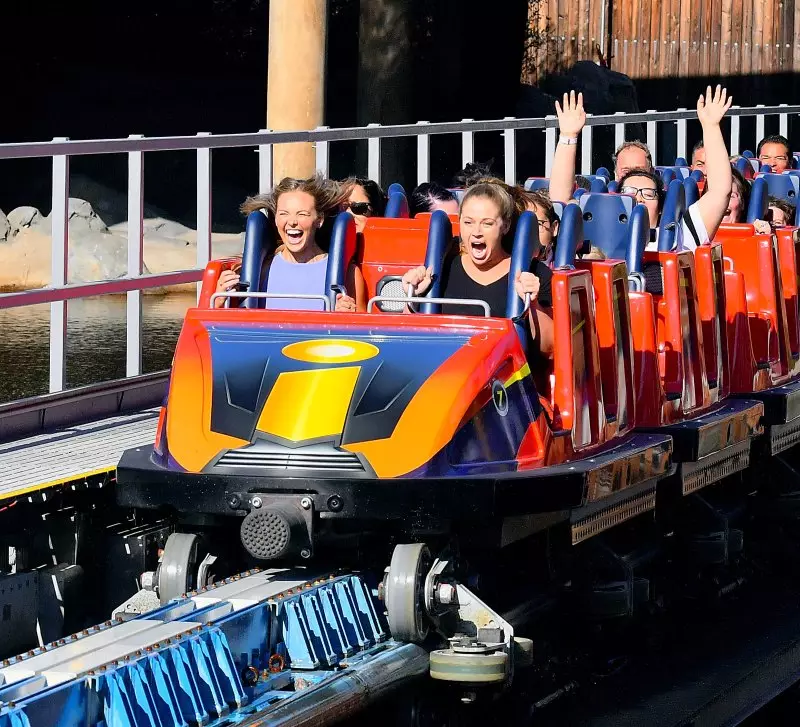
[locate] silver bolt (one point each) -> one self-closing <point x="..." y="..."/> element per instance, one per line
<point x="445" y="594"/>
<point x="305" y="553"/>
<point x="305" y="503"/>
<point x="148" y="581"/>
<point x="256" y="502"/>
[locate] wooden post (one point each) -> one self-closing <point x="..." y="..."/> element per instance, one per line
<point x="296" y="79"/>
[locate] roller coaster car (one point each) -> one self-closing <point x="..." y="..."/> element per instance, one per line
<point x="652" y="342"/>
<point x="299" y="426"/>
<point x="762" y="321"/>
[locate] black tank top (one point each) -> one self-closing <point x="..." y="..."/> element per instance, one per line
<point x="457" y="284"/>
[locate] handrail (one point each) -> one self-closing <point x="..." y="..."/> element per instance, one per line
<point x="62" y="150"/>
<point x="101" y="287"/>
<point x="35" y="149"/>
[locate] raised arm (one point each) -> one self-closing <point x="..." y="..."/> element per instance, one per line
<point x="714" y="203"/>
<point x="571" y="120"/>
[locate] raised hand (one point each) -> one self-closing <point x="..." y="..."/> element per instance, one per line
<point x="571" y="116"/>
<point x="712" y="107"/>
<point x="419" y="278"/>
<point x="226" y="282"/>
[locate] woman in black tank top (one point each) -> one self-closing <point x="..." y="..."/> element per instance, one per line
<point x="480" y="270"/>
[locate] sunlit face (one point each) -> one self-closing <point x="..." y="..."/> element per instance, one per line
<point x="482" y="230"/>
<point x="776" y="155"/>
<point x="450" y="206"/>
<point x="778" y="216"/>
<point x="297" y="221"/>
<point x="646" y="193"/>
<point x="547" y="229"/>
<point x="735" y="210"/>
<point x="699" y="160"/>
<point x="631" y="158"/>
<point x="359" y="206"/>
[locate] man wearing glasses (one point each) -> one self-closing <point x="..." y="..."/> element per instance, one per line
<point x="775" y="151"/>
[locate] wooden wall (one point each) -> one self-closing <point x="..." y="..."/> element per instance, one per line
<point x="665" y="38"/>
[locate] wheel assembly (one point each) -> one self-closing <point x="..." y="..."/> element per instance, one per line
<point x="177" y="573"/>
<point x="405" y="592"/>
<point x="474" y="666"/>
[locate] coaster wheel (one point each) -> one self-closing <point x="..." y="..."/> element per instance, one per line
<point x="405" y="592"/>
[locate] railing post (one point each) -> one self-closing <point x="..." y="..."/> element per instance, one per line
<point x="203" y="206"/>
<point x="735" y="133"/>
<point x="133" y="328"/>
<point x="264" y="166"/>
<point x="759" y="124"/>
<point x="322" y="151"/>
<point x="374" y="156"/>
<point x="423" y="156"/>
<point x="783" y="123"/>
<point x="619" y="132"/>
<point x="59" y="219"/>
<point x="681" y="133"/>
<point x="586" y="148"/>
<point x="549" y="143"/>
<point x="652" y="137"/>
<point x="467" y="145"/>
<point x="510" y="153"/>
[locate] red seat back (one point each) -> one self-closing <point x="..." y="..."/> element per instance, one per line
<point x="788" y="240"/>
<point x="391" y="247"/>
<point x="756" y="258"/>
<point x="613" y="325"/>
<point x="710" y="273"/>
<point x="652" y="407"/>
<point x="577" y="395"/>
<point x="680" y="337"/>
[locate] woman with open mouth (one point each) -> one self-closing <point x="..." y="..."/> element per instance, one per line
<point x="480" y="269"/>
<point x="299" y="265"/>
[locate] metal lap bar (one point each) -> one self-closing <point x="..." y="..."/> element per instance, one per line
<point x="290" y="296"/>
<point x="438" y="301"/>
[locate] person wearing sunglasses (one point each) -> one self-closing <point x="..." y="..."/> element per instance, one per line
<point x="775" y="151"/>
<point x="364" y="198"/>
<point x="298" y="209"/>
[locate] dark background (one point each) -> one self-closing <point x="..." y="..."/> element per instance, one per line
<point x="92" y="69"/>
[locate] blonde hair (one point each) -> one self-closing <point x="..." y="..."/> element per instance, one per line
<point x="328" y="195"/>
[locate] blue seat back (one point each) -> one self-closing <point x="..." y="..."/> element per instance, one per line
<point x="260" y="242"/>
<point x="599" y="184"/>
<point x="534" y="183"/>
<point x="759" y="200"/>
<point x="440" y="241"/>
<point x="697" y="175"/>
<point x="638" y="237"/>
<point x="570" y="237"/>
<point x="742" y="165"/>
<point x="692" y="193"/>
<point x="667" y="174"/>
<point x="747" y="154"/>
<point x="669" y="227"/>
<point x="396" y="187"/>
<point x="341" y="252"/>
<point x="613" y="186"/>
<point x="558" y="208"/>
<point x="681" y="162"/>
<point x="525" y="248"/>
<point x="397" y="205"/>
<point x="783" y="186"/>
<point x="605" y="222"/>
<point x="604" y="174"/>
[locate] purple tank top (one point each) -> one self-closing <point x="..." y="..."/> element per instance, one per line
<point x="302" y="278"/>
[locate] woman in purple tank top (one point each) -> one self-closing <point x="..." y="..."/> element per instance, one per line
<point x="299" y="265"/>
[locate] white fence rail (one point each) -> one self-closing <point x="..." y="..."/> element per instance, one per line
<point x="135" y="146"/>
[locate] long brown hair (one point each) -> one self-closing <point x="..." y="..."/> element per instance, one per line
<point x="328" y="195"/>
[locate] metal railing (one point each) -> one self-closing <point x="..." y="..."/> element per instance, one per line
<point x="135" y="146"/>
